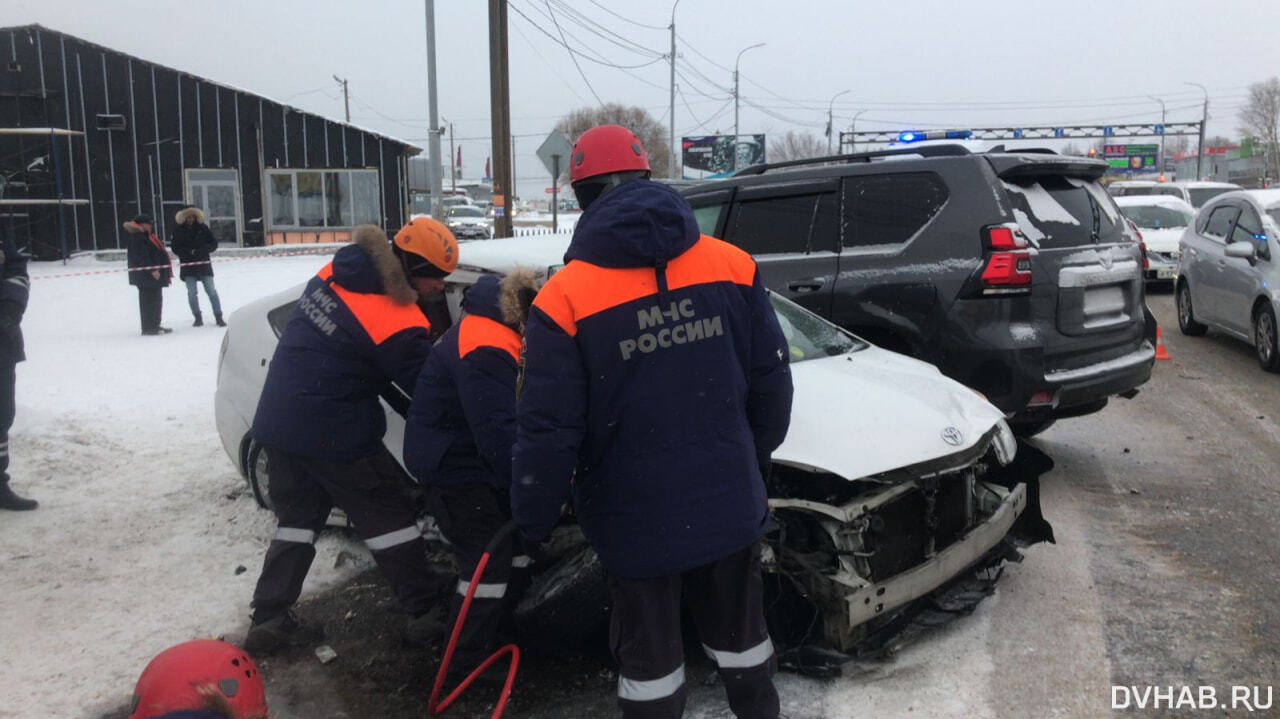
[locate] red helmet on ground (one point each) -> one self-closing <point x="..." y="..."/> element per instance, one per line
<point x="605" y="149"/>
<point x="173" y="680"/>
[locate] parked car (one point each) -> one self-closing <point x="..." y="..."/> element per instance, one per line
<point x="894" y="481"/>
<point x="469" y="222"/>
<point x="1195" y="192"/>
<point x="1013" y="272"/>
<point x="1227" y="272"/>
<point x="1160" y="219"/>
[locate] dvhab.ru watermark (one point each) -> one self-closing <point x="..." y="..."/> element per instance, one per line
<point x="1242" y="697"/>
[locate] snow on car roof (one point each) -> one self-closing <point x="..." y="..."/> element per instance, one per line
<point x="538" y="252"/>
<point x="1265" y="198"/>
<point x="1204" y="183"/>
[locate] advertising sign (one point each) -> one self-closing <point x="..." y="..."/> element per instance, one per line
<point x="711" y="156"/>
<point x="1131" y="158"/>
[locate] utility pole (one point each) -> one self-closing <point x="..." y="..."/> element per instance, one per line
<point x="453" y="168"/>
<point x="831" y="128"/>
<point x="346" y="98"/>
<point x="671" y="114"/>
<point x="1204" y="118"/>
<point x="433" y="142"/>
<point x="735" y="103"/>
<point x="499" y="94"/>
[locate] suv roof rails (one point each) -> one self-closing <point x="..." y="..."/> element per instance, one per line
<point x="923" y="151"/>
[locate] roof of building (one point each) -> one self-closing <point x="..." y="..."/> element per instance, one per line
<point x="35" y="27"/>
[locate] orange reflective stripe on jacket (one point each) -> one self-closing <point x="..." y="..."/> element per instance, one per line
<point x="377" y="313"/>
<point x="476" y="332"/>
<point x="582" y="289"/>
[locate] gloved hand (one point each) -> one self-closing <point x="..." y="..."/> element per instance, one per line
<point x="10" y="314"/>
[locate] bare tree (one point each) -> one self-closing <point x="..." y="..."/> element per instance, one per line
<point x="1177" y="145"/>
<point x="1260" y="119"/>
<point x="796" y="146"/>
<point x="651" y="132"/>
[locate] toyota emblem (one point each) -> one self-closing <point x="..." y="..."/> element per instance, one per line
<point x="952" y="436"/>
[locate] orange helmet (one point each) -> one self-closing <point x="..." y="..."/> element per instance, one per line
<point x="173" y="680"/>
<point x="427" y="248"/>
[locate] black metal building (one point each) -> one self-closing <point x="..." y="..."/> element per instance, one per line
<point x="127" y="136"/>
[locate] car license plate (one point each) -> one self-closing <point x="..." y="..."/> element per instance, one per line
<point x="1166" y="273"/>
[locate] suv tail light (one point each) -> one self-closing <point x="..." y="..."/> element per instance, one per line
<point x="1146" y="261"/>
<point x="1008" y="268"/>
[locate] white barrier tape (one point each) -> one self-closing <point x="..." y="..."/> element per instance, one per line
<point x="117" y="270"/>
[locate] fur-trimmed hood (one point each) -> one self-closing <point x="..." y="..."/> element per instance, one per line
<point x="519" y="288"/>
<point x="184" y="213"/>
<point x="369" y="266"/>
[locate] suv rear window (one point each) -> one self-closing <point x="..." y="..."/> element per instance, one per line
<point x="1057" y="212"/>
<point x="890" y="209"/>
<point x="1199" y="196"/>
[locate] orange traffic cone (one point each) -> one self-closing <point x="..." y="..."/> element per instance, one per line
<point x="1161" y="352"/>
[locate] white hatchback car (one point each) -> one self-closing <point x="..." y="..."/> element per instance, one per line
<point x="1161" y="219"/>
<point x="893" y="481"/>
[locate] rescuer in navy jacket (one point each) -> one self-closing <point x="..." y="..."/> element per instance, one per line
<point x="457" y="441"/>
<point x="656" y="379"/>
<point x="356" y="330"/>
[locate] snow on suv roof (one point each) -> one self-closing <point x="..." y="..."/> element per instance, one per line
<point x="1204" y="183"/>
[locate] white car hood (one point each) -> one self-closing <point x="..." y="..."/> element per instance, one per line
<point x="1162" y="240"/>
<point x="892" y="410"/>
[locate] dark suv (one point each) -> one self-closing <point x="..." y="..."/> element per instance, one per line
<point x="1013" y="272"/>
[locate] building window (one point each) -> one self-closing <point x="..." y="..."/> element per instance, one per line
<point x="334" y="199"/>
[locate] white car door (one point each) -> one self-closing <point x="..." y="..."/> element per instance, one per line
<point x="1209" y="284"/>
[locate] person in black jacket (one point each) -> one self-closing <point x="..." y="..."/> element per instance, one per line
<point x="656" y="386"/>
<point x="149" y="271"/>
<point x="14" y="289"/>
<point x="457" y="442"/>
<point x="357" y="331"/>
<point x="192" y="243"/>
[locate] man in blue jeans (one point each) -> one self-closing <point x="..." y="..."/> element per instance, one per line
<point x="192" y="243"/>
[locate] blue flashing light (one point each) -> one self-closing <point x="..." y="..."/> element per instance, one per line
<point x="911" y="136"/>
<point x="959" y="134"/>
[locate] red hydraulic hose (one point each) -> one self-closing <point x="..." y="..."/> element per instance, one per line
<point x="437" y="708"/>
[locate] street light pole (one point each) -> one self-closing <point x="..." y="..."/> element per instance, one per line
<point x="853" y="127"/>
<point x="1204" y="118"/>
<point x="671" y="113"/>
<point x="1163" y="161"/>
<point x="735" y="102"/>
<point x="433" y="133"/>
<point x="831" y="128"/>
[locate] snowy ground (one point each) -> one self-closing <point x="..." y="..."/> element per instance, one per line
<point x="143" y="521"/>
<point x="144" y="525"/>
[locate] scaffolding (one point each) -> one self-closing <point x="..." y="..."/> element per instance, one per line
<point x="8" y="203"/>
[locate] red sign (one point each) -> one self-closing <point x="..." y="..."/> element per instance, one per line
<point x="549" y="190"/>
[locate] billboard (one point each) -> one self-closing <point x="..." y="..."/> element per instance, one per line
<point x="1132" y="158"/>
<point x="711" y="156"/>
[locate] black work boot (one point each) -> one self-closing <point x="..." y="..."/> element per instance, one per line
<point x="271" y="635"/>
<point x="218" y="320"/>
<point x="425" y="629"/>
<point x="199" y="321"/>
<point x="11" y="501"/>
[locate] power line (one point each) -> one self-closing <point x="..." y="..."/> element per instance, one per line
<point x="563" y="42"/>
<point x="572" y="55"/>
<point x="704" y="123"/>
<point x="548" y="63"/>
<point x="626" y="19"/>
<point x="605" y="33"/>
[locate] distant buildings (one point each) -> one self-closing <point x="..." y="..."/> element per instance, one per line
<point x="148" y="139"/>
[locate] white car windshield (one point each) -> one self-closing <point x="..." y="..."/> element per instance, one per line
<point x="808" y="335"/>
<point x="466" y="211"/>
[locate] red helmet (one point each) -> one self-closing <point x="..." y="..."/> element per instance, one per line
<point x="171" y="680"/>
<point x="604" y="149"/>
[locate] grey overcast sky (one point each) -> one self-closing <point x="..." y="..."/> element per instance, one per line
<point x="906" y="64"/>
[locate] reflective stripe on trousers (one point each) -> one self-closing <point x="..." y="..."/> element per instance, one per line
<point x="483" y="591"/>
<point x="746" y="659"/>
<point x="637" y="690"/>
<point x="392" y="539"/>
<point x="293" y="534"/>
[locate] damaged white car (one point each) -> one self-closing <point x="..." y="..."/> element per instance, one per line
<point x="894" y="481"/>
